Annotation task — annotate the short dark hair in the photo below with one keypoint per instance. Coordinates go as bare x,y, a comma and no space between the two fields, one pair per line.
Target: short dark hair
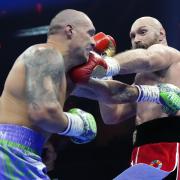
54,29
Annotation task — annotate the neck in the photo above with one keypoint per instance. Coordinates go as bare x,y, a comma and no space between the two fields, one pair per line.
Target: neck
62,49
56,43
164,42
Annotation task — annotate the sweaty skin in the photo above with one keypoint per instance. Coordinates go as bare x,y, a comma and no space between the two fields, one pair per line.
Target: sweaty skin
38,84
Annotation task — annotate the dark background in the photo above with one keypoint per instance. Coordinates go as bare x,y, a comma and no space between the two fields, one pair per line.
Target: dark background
109,154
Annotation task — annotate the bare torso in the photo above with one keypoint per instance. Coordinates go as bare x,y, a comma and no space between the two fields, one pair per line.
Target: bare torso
13,104
150,111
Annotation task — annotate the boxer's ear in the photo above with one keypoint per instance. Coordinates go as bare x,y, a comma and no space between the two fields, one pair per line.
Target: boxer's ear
162,34
69,31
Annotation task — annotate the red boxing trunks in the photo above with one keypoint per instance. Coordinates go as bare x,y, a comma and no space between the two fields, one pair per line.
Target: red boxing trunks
156,143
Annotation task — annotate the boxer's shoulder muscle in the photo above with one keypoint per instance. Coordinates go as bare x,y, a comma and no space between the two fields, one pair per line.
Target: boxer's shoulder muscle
164,50
35,64
44,71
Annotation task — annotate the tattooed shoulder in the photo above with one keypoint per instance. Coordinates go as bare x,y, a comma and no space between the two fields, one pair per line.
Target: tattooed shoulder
44,68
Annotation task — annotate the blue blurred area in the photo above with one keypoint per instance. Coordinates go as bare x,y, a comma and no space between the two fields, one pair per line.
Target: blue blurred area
172,18
26,14
114,17
23,5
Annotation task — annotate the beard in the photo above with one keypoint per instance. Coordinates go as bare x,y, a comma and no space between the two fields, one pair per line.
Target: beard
146,45
140,45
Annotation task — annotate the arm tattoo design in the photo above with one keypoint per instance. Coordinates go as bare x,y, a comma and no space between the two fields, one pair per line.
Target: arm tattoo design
44,69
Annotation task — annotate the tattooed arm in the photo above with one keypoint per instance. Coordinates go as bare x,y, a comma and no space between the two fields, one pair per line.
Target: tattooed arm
107,91
117,101
44,75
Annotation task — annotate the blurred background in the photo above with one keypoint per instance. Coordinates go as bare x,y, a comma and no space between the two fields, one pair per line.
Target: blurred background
24,23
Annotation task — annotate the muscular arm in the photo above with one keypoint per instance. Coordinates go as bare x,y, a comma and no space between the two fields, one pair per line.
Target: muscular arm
108,91
44,74
154,58
111,94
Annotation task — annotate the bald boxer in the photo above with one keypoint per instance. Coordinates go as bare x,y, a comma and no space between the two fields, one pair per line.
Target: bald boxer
156,137
31,105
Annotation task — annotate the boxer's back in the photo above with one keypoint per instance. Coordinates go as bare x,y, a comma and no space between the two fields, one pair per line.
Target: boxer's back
13,109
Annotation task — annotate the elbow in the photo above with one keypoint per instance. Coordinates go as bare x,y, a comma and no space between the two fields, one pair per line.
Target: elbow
42,112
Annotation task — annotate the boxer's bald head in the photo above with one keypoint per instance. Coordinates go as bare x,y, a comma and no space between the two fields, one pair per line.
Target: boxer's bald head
147,20
147,31
69,17
71,32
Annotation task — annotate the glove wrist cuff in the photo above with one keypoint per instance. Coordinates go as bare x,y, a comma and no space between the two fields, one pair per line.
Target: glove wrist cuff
75,125
148,93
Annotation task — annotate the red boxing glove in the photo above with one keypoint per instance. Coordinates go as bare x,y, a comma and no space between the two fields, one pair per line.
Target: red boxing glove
82,73
104,44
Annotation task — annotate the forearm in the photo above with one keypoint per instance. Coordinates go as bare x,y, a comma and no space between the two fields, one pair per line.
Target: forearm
113,92
57,123
85,92
50,117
